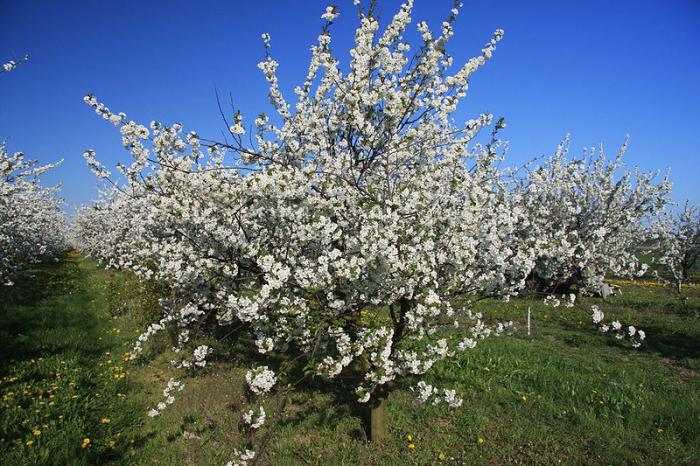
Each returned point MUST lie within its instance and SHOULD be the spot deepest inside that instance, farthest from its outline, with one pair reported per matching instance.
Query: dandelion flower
(86, 443)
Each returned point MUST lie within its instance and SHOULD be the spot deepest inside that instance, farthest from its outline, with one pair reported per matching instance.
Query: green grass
(566, 394)
(62, 377)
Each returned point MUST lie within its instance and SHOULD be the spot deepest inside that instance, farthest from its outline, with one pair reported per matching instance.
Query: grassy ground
(65, 390)
(566, 394)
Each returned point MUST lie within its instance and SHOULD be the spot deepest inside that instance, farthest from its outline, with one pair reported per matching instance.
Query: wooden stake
(528, 321)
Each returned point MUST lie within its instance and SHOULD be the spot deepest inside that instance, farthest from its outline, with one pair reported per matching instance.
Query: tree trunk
(378, 419)
(679, 283)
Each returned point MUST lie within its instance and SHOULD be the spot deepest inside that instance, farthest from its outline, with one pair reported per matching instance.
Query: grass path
(63, 385)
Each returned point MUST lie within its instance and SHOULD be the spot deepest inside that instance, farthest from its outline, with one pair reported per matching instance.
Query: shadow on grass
(308, 406)
(678, 346)
(662, 341)
(329, 414)
(46, 314)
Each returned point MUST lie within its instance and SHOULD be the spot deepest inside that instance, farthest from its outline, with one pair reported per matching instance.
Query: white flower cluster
(635, 335)
(426, 392)
(200, 355)
(168, 397)
(12, 64)
(260, 380)
(553, 301)
(98, 169)
(241, 457)
(330, 14)
(150, 331)
(255, 423)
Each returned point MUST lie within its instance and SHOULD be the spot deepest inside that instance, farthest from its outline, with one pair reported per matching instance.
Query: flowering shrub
(585, 217)
(677, 238)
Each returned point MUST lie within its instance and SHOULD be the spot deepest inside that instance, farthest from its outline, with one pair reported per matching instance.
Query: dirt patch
(679, 371)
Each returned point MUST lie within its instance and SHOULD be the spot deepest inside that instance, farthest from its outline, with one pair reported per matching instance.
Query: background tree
(678, 243)
(585, 217)
(32, 226)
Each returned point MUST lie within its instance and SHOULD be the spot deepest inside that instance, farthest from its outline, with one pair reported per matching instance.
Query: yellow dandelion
(524, 397)
(441, 456)
(86, 443)
(36, 432)
(411, 446)
(659, 430)
(481, 440)
(409, 437)
(104, 420)
(29, 443)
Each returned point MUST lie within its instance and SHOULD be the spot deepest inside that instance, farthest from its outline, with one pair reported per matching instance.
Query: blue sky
(597, 69)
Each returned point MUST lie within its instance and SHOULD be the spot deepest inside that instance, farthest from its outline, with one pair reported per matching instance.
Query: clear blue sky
(598, 69)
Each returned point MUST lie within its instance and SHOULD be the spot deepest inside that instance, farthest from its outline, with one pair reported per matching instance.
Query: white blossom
(255, 422)
(632, 333)
(260, 380)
